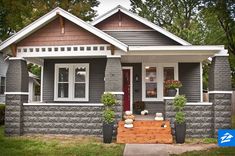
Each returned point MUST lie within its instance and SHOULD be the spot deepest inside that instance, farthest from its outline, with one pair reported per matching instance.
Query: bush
(179, 102)
(108, 99)
(108, 115)
(2, 114)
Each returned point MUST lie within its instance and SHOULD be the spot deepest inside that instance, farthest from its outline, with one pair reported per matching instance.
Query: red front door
(126, 89)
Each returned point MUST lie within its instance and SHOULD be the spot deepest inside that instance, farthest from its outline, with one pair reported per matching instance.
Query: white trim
(128, 30)
(63, 104)
(181, 48)
(16, 58)
(201, 82)
(199, 103)
(223, 52)
(131, 86)
(41, 86)
(115, 93)
(142, 20)
(52, 15)
(113, 56)
(16, 93)
(220, 92)
(221, 55)
(168, 98)
(71, 81)
(160, 79)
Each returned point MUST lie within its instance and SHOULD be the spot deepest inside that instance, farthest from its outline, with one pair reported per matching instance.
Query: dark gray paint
(142, 38)
(189, 75)
(3, 70)
(96, 78)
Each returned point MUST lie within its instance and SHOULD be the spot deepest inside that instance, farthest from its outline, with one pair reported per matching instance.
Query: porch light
(147, 67)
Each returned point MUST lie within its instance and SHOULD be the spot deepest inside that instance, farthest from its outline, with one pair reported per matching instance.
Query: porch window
(71, 82)
(153, 77)
(2, 85)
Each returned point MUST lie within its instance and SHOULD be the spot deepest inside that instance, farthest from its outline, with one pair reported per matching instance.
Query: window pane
(80, 74)
(79, 90)
(151, 90)
(63, 74)
(63, 91)
(2, 85)
(151, 74)
(168, 75)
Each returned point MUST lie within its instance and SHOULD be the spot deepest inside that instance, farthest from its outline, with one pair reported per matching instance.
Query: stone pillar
(220, 92)
(16, 94)
(113, 83)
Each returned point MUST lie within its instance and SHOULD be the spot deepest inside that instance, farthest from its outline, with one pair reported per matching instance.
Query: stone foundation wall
(199, 119)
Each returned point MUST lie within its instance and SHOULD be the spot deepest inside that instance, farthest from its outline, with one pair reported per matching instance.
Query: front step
(145, 132)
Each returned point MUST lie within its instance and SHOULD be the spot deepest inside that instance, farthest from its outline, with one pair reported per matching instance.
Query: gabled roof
(140, 19)
(51, 16)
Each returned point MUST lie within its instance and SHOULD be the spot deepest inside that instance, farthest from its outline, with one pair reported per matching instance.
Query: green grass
(233, 121)
(201, 140)
(228, 151)
(50, 146)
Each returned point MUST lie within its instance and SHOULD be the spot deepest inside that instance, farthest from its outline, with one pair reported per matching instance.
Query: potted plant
(139, 106)
(109, 100)
(180, 125)
(171, 86)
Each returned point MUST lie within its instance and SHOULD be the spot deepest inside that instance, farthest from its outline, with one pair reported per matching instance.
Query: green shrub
(2, 114)
(180, 117)
(108, 115)
(108, 99)
(179, 102)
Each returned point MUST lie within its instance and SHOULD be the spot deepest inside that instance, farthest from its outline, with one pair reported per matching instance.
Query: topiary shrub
(108, 115)
(179, 103)
(108, 99)
(2, 114)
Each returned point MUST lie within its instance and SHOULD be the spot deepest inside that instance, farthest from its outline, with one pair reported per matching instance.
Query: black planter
(180, 132)
(172, 92)
(107, 132)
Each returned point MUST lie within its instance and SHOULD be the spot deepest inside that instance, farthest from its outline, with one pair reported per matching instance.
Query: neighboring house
(4, 62)
(120, 53)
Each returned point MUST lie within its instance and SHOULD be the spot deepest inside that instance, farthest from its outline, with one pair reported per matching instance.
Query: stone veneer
(57, 119)
(199, 119)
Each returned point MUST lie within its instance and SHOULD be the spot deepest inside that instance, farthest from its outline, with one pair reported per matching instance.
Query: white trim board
(115, 93)
(131, 85)
(51, 16)
(16, 93)
(141, 20)
(220, 92)
(62, 104)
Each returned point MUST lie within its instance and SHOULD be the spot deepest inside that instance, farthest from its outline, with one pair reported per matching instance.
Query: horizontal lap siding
(142, 38)
(120, 21)
(96, 85)
(50, 35)
(189, 75)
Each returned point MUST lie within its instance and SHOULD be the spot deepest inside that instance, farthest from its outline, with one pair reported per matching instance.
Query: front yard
(56, 145)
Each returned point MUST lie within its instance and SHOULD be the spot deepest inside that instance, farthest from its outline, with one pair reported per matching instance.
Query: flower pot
(107, 132)
(172, 92)
(180, 132)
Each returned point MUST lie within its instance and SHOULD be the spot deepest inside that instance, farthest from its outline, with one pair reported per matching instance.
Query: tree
(16, 14)
(177, 16)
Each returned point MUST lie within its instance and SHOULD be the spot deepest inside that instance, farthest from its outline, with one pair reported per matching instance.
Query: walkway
(163, 149)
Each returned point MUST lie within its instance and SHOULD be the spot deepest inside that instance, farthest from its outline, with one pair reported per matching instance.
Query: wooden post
(13, 50)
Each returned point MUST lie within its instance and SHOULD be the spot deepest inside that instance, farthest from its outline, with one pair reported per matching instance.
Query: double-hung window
(71, 82)
(153, 77)
(2, 85)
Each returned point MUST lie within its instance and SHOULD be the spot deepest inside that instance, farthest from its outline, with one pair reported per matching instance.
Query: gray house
(3, 71)
(120, 53)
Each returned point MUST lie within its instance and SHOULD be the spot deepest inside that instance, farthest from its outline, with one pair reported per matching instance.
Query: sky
(106, 5)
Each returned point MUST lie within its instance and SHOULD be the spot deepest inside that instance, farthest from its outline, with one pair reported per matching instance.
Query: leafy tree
(16, 14)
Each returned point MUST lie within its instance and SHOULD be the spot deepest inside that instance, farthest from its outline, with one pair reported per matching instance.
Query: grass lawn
(59, 145)
(233, 121)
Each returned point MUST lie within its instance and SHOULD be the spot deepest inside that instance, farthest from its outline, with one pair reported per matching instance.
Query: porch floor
(145, 132)
(144, 117)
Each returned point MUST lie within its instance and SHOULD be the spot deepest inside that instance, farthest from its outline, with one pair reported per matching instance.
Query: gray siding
(142, 38)
(96, 78)
(189, 75)
(3, 71)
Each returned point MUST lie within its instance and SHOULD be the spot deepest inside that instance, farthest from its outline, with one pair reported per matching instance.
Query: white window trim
(160, 67)
(71, 82)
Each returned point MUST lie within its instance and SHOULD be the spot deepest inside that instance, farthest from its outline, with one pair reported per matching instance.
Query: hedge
(2, 113)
